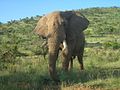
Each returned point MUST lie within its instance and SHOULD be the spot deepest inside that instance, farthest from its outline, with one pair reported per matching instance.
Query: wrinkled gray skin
(57, 27)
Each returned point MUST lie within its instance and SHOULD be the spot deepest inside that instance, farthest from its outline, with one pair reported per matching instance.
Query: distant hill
(102, 20)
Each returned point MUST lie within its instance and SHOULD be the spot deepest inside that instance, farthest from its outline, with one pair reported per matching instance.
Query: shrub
(8, 51)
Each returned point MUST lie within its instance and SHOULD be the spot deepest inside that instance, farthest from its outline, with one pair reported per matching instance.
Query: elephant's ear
(41, 28)
(78, 22)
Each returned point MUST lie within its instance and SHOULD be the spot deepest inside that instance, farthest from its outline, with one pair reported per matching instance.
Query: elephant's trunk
(52, 66)
(53, 55)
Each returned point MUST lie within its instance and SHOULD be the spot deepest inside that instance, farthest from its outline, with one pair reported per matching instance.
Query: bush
(8, 51)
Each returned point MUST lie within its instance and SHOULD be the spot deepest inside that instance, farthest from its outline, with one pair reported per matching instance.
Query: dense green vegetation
(22, 63)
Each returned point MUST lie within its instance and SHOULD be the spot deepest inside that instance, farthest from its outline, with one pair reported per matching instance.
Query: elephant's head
(50, 24)
(59, 22)
(55, 27)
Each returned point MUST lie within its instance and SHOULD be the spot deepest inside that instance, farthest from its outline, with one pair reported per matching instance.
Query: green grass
(31, 72)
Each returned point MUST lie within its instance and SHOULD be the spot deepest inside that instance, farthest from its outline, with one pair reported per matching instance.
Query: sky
(16, 9)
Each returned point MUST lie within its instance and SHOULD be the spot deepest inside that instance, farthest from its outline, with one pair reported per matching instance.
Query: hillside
(23, 66)
(99, 17)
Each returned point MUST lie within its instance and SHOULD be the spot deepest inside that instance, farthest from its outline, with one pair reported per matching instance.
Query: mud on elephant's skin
(58, 27)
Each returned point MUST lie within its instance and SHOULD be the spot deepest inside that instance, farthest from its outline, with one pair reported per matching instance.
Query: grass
(30, 71)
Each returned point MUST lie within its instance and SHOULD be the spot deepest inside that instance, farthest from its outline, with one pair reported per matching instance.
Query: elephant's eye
(43, 37)
(54, 24)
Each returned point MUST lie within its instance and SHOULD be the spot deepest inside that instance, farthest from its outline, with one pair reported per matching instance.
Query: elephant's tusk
(64, 45)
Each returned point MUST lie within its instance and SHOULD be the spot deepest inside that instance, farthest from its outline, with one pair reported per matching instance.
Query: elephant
(62, 46)
(64, 27)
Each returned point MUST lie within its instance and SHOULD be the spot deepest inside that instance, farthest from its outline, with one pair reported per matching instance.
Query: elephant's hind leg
(80, 60)
(71, 64)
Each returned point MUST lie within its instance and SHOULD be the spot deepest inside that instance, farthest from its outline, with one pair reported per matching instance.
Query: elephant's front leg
(66, 55)
(53, 55)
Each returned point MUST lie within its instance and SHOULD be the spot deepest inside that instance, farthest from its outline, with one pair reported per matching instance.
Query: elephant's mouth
(43, 37)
